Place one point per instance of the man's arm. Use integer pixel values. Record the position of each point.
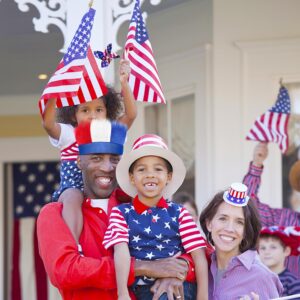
(253, 178)
(65, 267)
(268, 216)
(163, 268)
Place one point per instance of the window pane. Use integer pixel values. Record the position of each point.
(156, 120)
(292, 154)
(183, 137)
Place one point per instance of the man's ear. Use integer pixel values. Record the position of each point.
(78, 162)
(287, 251)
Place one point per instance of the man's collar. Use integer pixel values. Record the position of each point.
(141, 207)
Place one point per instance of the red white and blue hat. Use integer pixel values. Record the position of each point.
(289, 235)
(236, 195)
(100, 136)
(150, 145)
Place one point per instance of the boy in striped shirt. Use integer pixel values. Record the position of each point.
(151, 227)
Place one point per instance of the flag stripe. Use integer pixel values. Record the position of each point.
(16, 279)
(40, 273)
(27, 268)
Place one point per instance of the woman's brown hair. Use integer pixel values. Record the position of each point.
(252, 222)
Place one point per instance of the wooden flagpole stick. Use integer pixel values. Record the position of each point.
(280, 82)
(91, 3)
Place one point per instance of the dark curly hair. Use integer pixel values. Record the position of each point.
(252, 222)
(112, 101)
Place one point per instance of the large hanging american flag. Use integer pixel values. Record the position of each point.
(32, 187)
(272, 126)
(143, 79)
(77, 78)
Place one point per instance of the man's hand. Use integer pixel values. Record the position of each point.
(253, 296)
(172, 286)
(168, 267)
(260, 154)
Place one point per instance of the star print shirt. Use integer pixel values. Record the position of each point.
(70, 174)
(153, 232)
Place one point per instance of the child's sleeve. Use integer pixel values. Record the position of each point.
(117, 230)
(66, 138)
(190, 234)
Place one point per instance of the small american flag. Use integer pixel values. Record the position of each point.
(32, 186)
(143, 79)
(77, 78)
(273, 125)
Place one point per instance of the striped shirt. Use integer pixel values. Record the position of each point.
(272, 216)
(291, 284)
(66, 143)
(153, 232)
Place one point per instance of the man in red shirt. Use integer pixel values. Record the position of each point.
(92, 276)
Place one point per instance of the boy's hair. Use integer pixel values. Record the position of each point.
(252, 223)
(112, 101)
(168, 165)
(266, 236)
(185, 197)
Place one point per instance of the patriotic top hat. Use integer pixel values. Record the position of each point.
(289, 235)
(237, 194)
(100, 136)
(150, 145)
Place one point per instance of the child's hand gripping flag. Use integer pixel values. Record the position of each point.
(272, 126)
(77, 78)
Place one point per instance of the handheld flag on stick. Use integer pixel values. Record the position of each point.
(143, 79)
(272, 126)
(77, 78)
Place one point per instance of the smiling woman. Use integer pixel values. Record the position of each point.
(232, 225)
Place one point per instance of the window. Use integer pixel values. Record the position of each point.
(175, 123)
(293, 153)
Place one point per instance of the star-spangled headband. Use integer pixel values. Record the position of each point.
(236, 195)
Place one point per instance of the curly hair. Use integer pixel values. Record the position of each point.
(252, 222)
(112, 101)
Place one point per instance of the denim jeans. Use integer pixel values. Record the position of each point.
(142, 292)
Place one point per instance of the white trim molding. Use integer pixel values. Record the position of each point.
(52, 12)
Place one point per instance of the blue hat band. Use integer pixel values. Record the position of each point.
(236, 200)
(101, 148)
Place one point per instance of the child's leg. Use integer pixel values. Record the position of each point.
(189, 290)
(72, 200)
(142, 292)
